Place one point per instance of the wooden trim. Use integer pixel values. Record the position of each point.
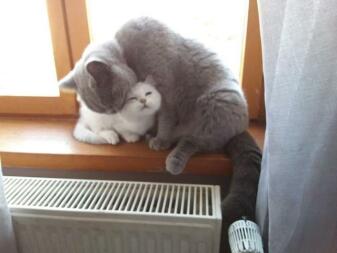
(262, 110)
(78, 28)
(60, 38)
(251, 69)
(197, 166)
(47, 143)
(64, 105)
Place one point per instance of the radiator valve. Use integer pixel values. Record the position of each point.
(244, 237)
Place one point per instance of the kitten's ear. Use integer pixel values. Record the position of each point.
(68, 82)
(150, 80)
(99, 71)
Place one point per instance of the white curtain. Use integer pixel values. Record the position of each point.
(7, 239)
(297, 199)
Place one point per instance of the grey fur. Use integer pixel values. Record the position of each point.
(101, 77)
(202, 104)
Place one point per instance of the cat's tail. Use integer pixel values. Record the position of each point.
(241, 198)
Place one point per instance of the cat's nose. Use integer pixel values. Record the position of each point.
(142, 100)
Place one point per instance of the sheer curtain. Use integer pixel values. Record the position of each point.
(7, 240)
(297, 199)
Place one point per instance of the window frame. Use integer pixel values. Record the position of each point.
(70, 35)
(251, 75)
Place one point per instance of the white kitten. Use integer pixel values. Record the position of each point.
(133, 121)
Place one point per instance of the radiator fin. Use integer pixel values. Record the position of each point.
(110, 196)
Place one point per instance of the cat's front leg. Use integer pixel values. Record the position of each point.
(83, 134)
(178, 158)
(166, 123)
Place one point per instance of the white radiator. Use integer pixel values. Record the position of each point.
(96, 216)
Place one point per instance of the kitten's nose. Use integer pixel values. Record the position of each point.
(142, 100)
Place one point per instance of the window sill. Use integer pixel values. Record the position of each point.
(47, 143)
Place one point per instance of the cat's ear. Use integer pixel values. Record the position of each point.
(150, 80)
(99, 71)
(68, 82)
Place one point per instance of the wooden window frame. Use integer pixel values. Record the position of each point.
(70, 35)
(251, 65)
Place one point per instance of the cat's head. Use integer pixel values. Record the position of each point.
(101, 78)
(143, 99)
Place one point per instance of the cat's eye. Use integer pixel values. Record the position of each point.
(132, 98)
(148, 93)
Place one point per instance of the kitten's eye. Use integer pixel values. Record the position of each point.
(148, 93)
(132, 98)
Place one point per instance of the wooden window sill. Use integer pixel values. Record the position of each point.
(47, 143)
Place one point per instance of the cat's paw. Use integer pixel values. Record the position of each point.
(174, 164)
(156, 143)
(110, 136)
(90, 139)
(131, 137)
(83, 134)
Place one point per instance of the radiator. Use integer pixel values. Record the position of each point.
(96, 216)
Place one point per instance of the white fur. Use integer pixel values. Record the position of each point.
(132, 122)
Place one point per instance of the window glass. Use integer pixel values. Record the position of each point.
(218, 24)
(26, 55)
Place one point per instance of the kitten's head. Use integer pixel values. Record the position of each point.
(101, 78)
(143, 99)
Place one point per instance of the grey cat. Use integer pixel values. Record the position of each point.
(101, 78)
(203, 106)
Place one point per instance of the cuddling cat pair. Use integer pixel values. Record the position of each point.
(134, 120)
(148, 69)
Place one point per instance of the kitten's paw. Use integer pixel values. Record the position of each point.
(158, 144)
(110, 136)
(175, 165)
(82, 134)
(91, 139)
(131, 137)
